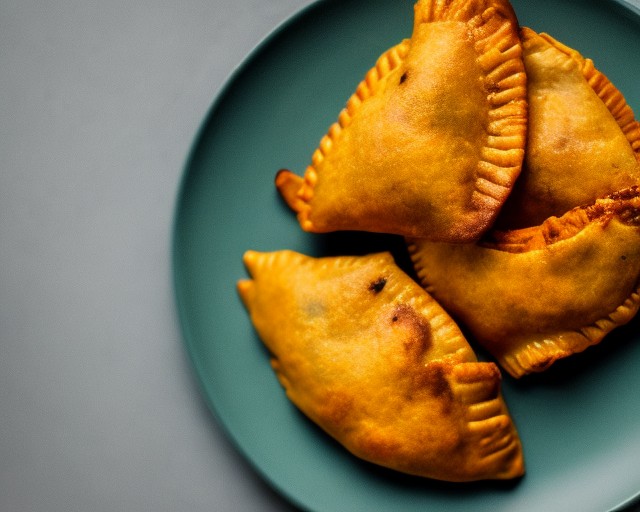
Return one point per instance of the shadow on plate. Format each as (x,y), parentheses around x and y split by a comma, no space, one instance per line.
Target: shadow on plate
(358,243)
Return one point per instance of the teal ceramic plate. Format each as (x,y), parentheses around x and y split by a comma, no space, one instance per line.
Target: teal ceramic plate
(580,422)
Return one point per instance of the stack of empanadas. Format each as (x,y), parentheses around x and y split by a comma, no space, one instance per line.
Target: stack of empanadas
(511,165)
(560,268)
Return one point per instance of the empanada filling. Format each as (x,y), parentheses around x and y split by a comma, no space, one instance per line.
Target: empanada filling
(624,204)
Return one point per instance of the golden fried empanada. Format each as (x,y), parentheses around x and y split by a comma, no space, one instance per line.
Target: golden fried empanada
(432,140)
(372,359)
(539,294)
(583,141)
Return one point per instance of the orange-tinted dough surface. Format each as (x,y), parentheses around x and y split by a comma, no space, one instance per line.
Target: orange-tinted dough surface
(539,294)
(581,136)
(371,358)
(433,139)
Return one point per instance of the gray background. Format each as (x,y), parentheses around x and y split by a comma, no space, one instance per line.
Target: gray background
(99,103)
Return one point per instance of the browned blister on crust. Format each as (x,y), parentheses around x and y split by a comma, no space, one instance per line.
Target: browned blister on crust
(372,359)
(539,294)
(583,139)
(433,138)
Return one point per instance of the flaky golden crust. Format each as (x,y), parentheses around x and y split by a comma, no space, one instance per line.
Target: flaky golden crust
(371,358)
(583,140)
(616,103)
(536,295)
(606,91)
(433,138)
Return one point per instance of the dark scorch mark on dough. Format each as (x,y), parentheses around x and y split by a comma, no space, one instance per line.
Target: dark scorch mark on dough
(378,285)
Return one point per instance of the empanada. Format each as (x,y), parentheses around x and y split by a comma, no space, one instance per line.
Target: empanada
(539,294)
(432,140)
(583,141)
(372,359)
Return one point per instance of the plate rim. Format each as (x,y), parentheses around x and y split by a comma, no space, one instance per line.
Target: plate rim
(217,100)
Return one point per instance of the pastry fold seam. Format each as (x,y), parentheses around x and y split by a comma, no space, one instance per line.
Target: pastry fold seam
(385,64)
(537,356)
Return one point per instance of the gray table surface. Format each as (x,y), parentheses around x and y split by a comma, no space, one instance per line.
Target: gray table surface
(99,103)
